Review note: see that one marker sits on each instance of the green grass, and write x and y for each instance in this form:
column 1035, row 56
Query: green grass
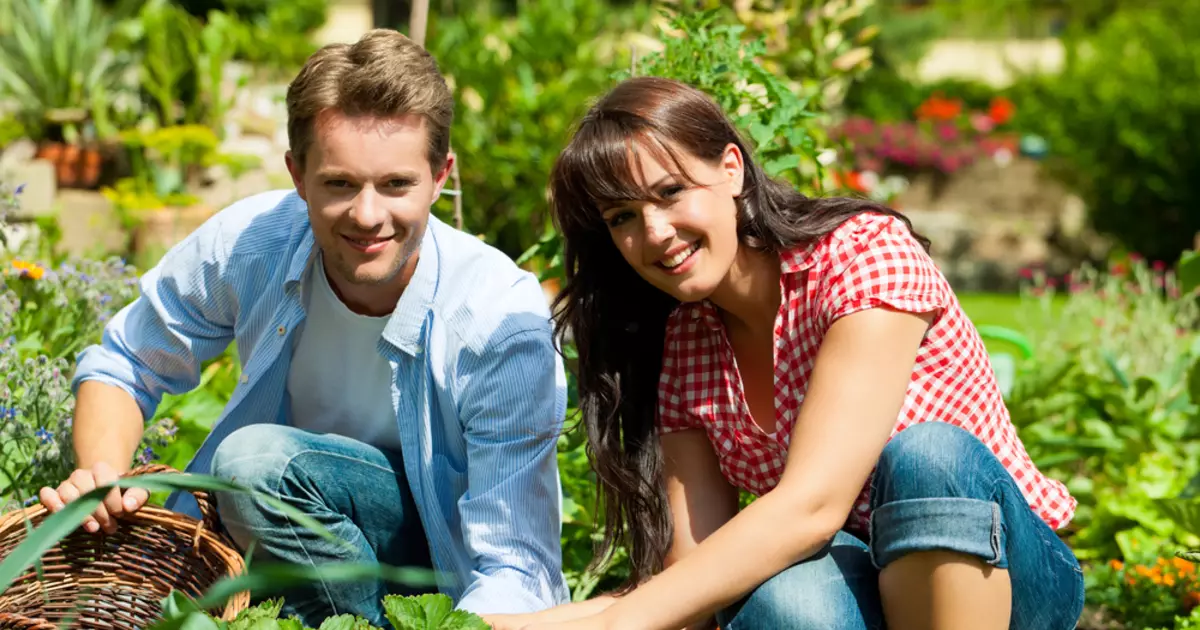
column 997, row 309
column 992, row 309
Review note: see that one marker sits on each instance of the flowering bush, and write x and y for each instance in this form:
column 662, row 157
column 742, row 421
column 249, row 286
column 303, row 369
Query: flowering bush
column 1108, row 403
column 1160, row 593
column 943, row 137
column 48, row 312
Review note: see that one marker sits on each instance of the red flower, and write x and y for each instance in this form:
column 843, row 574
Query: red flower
column 937, row 107
column 1001, row 110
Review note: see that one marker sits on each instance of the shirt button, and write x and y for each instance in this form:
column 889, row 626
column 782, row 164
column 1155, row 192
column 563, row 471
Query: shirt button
column 245, row 378
column 281, row 330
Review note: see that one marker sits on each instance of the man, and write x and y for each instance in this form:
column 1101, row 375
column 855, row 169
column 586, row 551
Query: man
column 400, row 382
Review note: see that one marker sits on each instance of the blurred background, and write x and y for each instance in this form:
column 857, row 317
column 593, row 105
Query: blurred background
column 1049, row 148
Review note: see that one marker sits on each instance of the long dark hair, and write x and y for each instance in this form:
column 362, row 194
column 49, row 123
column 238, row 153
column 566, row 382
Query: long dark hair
column 616, row 318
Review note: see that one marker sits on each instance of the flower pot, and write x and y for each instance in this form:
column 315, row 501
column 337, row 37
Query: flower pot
column 161, row 229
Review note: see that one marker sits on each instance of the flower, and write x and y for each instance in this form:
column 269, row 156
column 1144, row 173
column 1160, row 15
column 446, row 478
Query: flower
column 44, row 436
column 937, row 107
column 27, row 269
column 1001, row 110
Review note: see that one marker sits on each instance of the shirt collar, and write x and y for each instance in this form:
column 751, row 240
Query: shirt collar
column 403, row 329
column 791, row 261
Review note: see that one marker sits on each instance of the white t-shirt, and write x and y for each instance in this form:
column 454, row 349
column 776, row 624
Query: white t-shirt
column 338, row 382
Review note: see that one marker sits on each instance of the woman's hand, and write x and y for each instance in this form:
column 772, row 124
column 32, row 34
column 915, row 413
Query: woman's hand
column 510, row 621
column 591, row 622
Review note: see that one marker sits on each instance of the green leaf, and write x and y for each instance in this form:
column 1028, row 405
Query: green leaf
column 781, row 164
column 1193, row 382
column 1188, row 271
column 273, row 578
column 1184, row 512
column 431, row 611
column 463, row 620
column 346, row 622
column 249, row 617
column 404, row 613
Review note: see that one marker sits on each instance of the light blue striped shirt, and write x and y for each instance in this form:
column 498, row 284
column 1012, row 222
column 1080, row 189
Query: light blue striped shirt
column 479, row 389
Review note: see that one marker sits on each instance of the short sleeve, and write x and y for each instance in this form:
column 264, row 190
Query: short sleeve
column 874, row 260
column 672, row 415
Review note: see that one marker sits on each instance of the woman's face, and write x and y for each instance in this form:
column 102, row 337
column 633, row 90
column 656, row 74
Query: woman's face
column 686, row 244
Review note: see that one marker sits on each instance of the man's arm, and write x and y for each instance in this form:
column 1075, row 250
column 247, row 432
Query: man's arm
column 512, row 397
column 154, row 345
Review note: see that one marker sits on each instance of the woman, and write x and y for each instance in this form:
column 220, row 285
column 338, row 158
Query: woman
column 734, row 334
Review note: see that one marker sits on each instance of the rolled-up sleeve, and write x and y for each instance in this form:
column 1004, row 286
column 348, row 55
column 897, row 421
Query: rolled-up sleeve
column 512, row 405
column 183, row 316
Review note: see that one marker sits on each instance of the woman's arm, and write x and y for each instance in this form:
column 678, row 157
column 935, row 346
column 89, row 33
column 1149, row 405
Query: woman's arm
column 856, row 391
column 701, row 500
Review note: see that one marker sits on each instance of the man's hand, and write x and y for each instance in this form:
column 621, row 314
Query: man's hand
column 85, row 480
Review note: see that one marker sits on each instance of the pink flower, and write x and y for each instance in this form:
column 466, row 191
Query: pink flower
column 982, row 123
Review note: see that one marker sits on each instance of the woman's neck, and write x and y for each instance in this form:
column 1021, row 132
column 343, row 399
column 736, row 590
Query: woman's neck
column 750, row 295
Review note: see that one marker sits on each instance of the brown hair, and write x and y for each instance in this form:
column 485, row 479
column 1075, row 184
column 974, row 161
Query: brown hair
column 616, row 318
column 383, row 74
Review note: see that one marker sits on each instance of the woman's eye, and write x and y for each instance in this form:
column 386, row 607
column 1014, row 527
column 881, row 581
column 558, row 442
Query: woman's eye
column 618, row 218
column 671, row 191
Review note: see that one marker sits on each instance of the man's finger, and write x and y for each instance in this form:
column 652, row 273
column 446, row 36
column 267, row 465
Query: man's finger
column 68, row 493
column 85, row 482
column 50, row 499
column 135, row 498
column 105, row 475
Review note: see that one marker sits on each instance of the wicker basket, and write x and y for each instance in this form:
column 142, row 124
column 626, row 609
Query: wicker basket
column 118, row 581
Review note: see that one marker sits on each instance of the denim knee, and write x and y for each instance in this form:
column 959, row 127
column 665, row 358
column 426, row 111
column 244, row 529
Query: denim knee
column 938, row 487
column 254, row 454
column 836, row 589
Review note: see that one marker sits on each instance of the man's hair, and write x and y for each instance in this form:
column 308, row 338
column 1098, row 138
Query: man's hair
column 384, row 74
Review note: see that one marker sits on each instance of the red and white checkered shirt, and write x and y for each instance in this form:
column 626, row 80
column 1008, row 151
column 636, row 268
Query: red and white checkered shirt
column 868, row 261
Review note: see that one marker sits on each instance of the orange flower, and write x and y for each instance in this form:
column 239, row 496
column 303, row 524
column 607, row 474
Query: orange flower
column 1184, row 567
column 1116, row 565
column 28, row 269
column 936, row 107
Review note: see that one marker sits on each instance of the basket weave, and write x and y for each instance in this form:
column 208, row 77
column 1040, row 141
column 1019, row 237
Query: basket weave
column 118, row 581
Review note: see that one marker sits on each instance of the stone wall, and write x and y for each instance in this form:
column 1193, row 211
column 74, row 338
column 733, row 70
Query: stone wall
column 987, row 222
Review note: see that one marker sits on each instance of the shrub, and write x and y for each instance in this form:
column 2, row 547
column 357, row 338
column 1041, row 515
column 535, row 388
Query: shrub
column 1108, row 404
column 1123, row 124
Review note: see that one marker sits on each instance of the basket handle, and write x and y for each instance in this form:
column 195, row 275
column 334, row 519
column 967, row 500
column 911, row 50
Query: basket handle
column 208, row 508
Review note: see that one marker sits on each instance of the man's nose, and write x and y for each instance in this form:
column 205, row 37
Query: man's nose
column 368, row 209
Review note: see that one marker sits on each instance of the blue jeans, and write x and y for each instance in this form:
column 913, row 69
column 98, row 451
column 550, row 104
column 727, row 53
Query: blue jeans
column 936, row 487
column 356, row 491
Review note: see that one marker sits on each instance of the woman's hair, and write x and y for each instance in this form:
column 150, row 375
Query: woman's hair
column 616, row 318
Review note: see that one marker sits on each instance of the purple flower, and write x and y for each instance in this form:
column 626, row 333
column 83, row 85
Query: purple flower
column 19, row 189
column 146, row 456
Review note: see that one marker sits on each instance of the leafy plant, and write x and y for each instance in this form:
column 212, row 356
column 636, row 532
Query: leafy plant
column 1122, row 127
column 520, row 81
column 429, row 612
column 410, row 612
column 1108, row 403
column 57, row 66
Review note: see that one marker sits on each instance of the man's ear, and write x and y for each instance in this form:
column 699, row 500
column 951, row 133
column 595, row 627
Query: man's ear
column 734, row 166
column 297, row 173
column 440, row 177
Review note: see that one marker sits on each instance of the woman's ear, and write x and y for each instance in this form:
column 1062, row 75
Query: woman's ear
column 734, row 167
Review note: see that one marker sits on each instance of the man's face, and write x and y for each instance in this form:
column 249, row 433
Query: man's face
column 369, row 186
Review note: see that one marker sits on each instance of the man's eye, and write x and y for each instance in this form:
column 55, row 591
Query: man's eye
column 337, row 183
